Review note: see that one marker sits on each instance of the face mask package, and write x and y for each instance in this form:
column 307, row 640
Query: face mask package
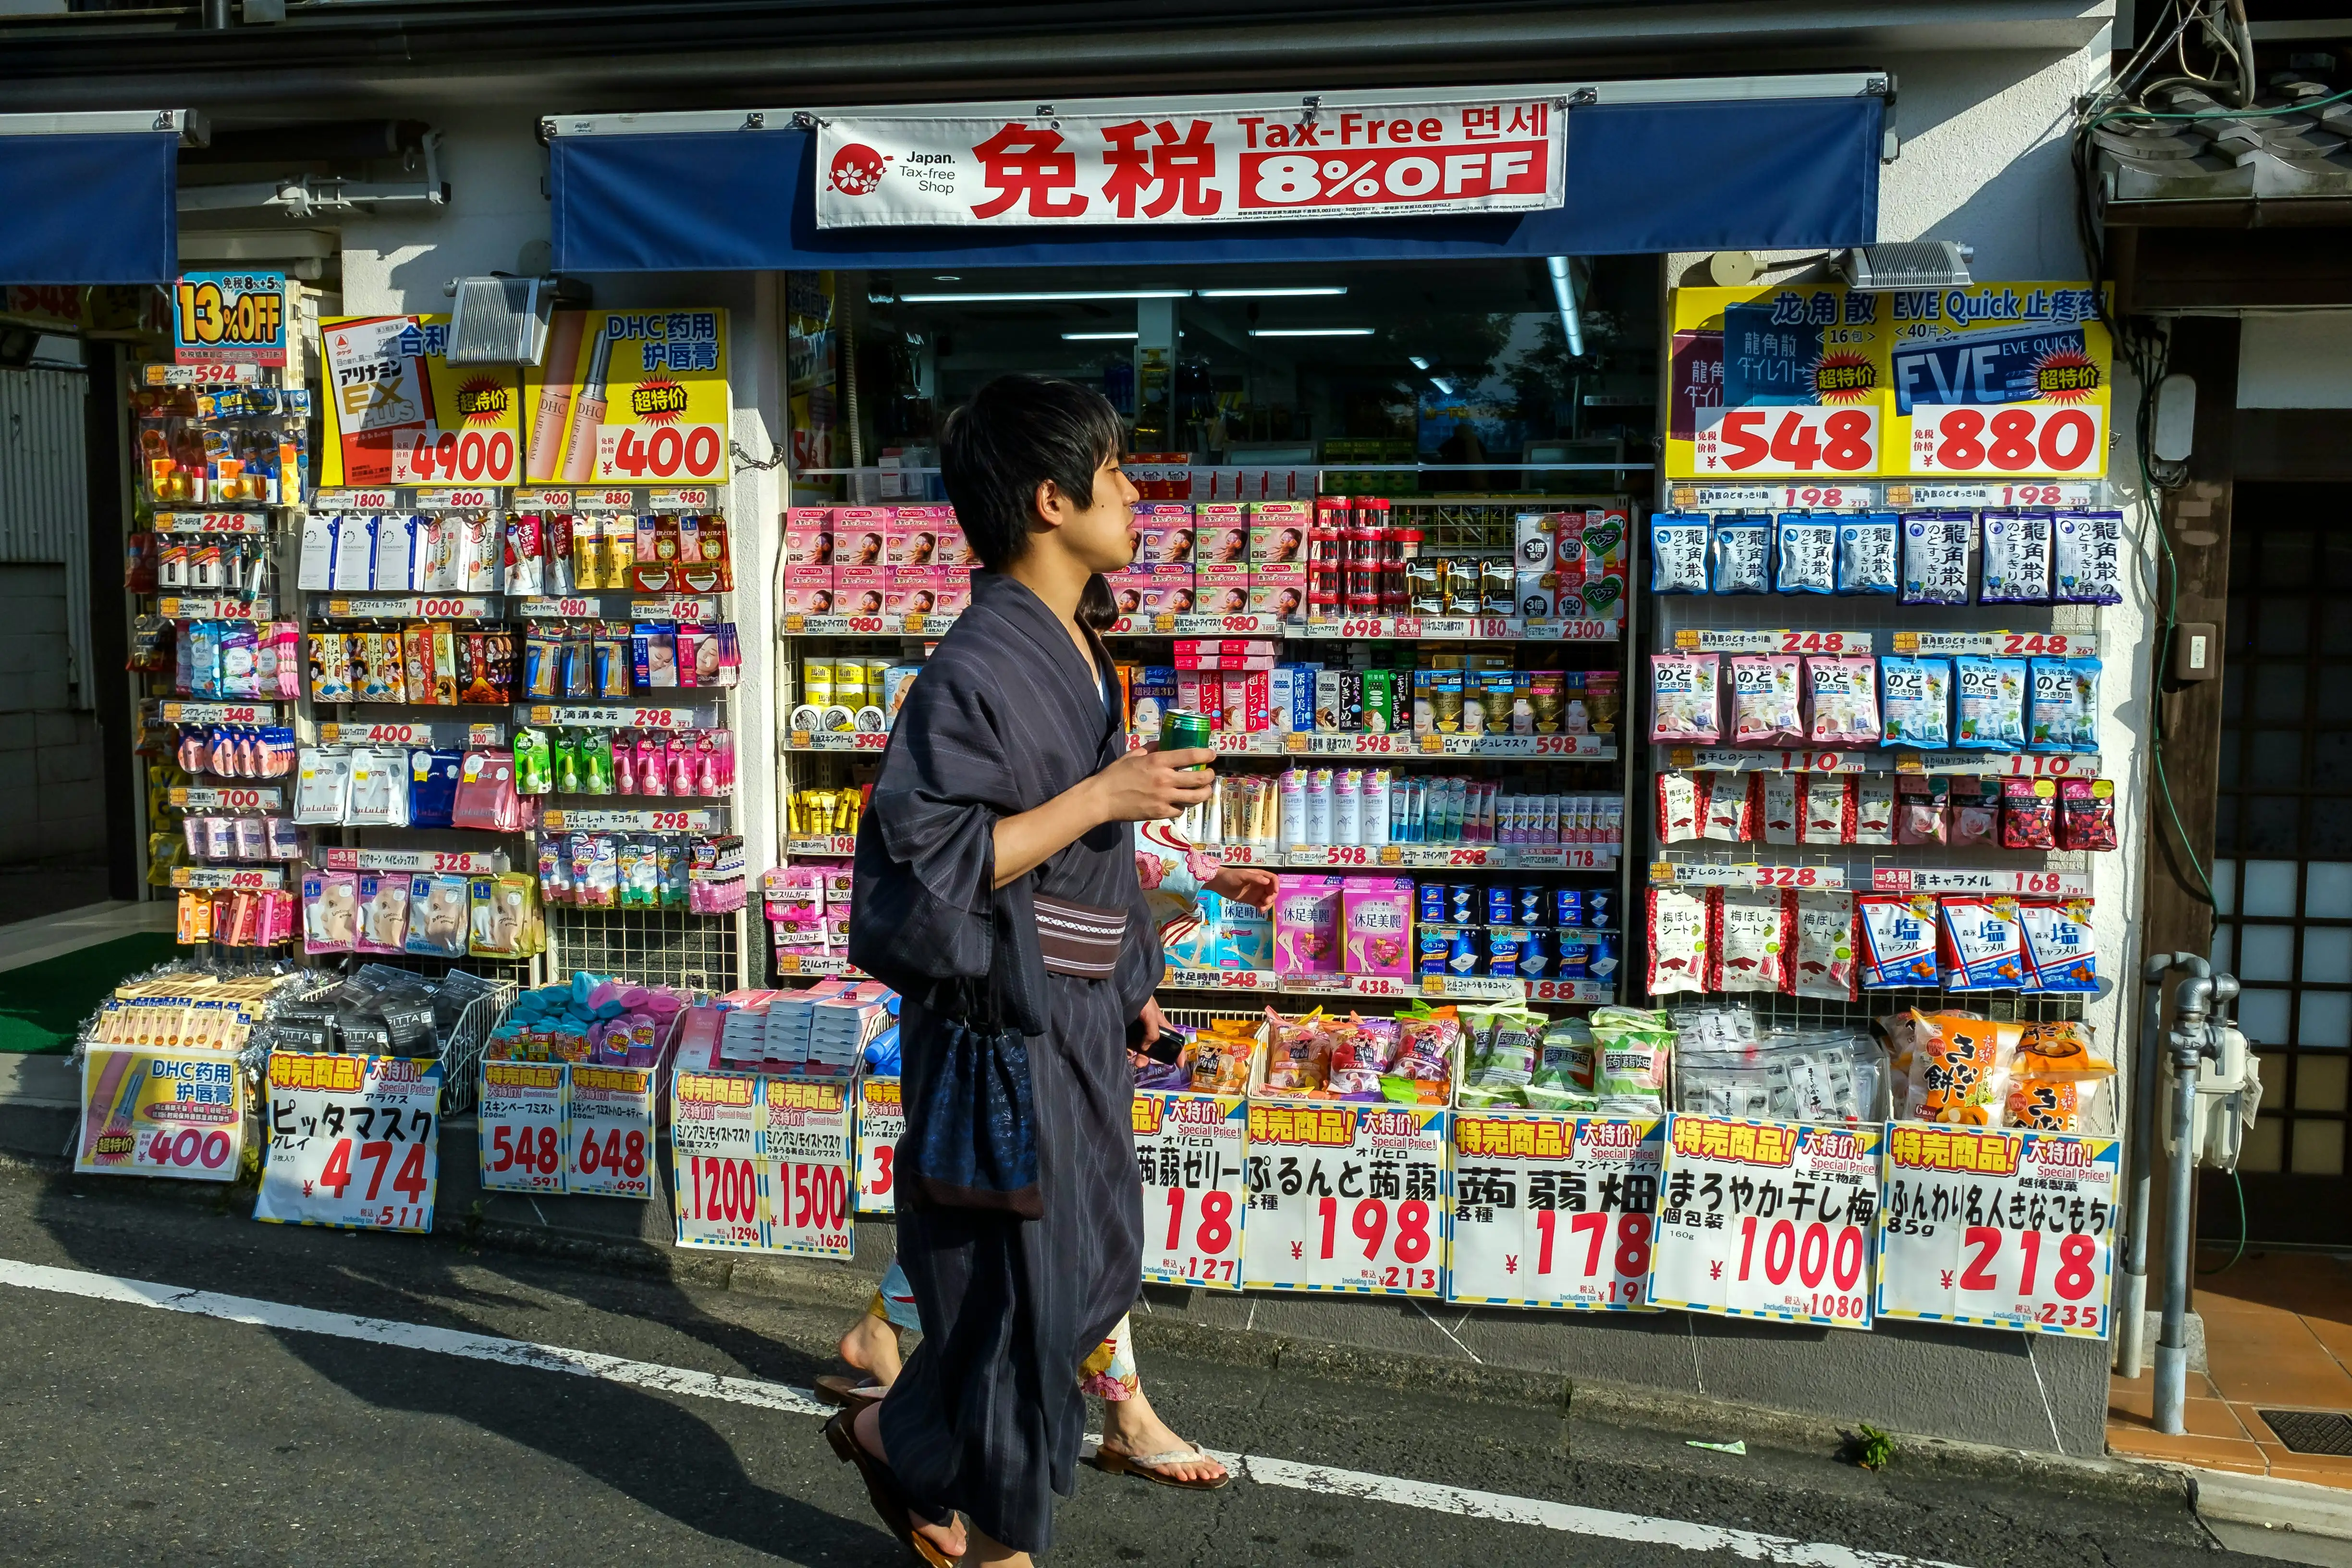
column 440, row 916
column 1844, row 699
column 1828, row 816
column 329, row 911
column 2061, row 952
column 1916, row 695
column 1766, row 701
column 1775, row 801
column 1678, row 553
column 1807, row 553
column 1984, row 945
column 1753, row 938
column 323, row 786
column 1988, row 697
column 1685, row 706
column 1825, row 947
column 379, row 789
column 2016, row 559
column 2086, row 557
column 1898, row 936
column 1742, row 555
column 1680, row 925
column 1936, row 557
column 1867, row 551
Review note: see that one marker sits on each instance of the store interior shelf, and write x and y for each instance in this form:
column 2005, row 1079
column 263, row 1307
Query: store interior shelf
column 1421, row 856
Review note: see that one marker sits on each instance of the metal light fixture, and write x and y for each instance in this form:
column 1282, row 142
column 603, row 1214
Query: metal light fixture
column 1563, row 294
column 1311, row 332
column 1320, row 291
column 1038, row 296
column 1906, row 264
column 500, row 320
column 1098, row 337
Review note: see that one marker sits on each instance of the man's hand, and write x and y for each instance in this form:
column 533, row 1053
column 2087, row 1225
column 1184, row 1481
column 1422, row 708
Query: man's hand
column 1147, row 786
column 1247, row 884
column 1153, row 1020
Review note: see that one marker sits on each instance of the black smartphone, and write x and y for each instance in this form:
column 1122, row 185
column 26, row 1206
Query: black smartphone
column 1167, row 1049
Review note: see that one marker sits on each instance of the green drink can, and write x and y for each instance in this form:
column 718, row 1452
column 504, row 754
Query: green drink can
column 1179, row 730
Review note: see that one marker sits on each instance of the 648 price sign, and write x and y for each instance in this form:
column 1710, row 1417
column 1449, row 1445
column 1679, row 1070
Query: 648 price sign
column 1189, row 1152
column 1346, row 1198
column 1553, row 1211
column 353, row 1141
column 1767, row 1219
column 609, row 1123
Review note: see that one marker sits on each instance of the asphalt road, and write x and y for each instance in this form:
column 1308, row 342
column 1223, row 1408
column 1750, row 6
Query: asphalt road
column 131, row 1435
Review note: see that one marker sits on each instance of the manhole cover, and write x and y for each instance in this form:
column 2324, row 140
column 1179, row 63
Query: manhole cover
column 2311, row 1431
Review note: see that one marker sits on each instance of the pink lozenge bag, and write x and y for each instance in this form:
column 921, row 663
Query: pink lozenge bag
column 1377, row 915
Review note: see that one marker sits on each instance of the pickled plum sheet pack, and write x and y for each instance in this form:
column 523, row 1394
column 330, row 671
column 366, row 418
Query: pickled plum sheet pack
column 1680, row 928
column 1873, row 808
column 1828, row 814
column 1776, row 800
column 1682, row 803
column 1753, row 940
column 1724, row 816
column 1826, row 947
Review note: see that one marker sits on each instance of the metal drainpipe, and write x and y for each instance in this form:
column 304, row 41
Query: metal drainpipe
column 2192, row 999
column 2147, row 1071
column 217, row 15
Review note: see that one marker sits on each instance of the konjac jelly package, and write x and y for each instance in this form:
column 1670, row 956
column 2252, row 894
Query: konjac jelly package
column 1984, row 945
column 1685, row 699
column 1988, row 702
column 2086, row 814
column 1868, row 548
column 1306, row 923
column 1376, row 914
column 1916, row 701
column 2016, row 559
column 1844, row 695
column 1678, row 553
column 1742, row 555
column 1807, row 553
column 1767, row 700
column 1898, row 934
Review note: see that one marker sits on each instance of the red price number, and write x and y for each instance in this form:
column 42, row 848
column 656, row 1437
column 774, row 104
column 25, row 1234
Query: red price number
column 817, row 1198
column 526, row 1147
column 1788, row 875
column 1819, row 495
column 442, row 608
column 727, row 1191
column 2021, row 1263
column 452, row 860
column 672, row 821
column 663, row 451
column 614, row 1154
column 1794, row 441
column 1230, row 741
column 866, row 624
column 885, row 1156
column 1812, row 642
column 2033, row 495
column 1812, row 1254
column 1403, row 1240
column 1966, row 440
column 1465, row 858
column 1346, row 855
column 376, row 1154
column 1211, row 1231
column 188, row 1147
column 464, row 457
column 1589, row 1244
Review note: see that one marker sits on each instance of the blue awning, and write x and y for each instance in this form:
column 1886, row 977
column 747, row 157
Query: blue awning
column 1730, row 174
column 89, row 208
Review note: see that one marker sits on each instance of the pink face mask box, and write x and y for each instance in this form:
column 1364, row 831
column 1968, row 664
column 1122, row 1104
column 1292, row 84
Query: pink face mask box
column 1307, row 915
column 1221, row 596
column 808, row 591
column 1377, row 913
column 913, row 539
column 808, row 536
column 860, row 590
column 910, row 591
column 861, row 535
column 1221, row 537
column 954, row 590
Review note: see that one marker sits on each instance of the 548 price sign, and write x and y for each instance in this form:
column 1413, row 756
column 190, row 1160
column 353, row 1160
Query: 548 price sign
column 1787, row 440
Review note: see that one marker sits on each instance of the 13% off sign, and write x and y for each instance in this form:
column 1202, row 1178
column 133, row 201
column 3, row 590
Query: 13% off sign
column 353, row 1141
column 1552, row 1211
column 1766, row 1219
column 1346, row 1198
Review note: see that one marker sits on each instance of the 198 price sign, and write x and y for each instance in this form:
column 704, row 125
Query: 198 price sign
column 1349, row 1198
column 1553, row 1211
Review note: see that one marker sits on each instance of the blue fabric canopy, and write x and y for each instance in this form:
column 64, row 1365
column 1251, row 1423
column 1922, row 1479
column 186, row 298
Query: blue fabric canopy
column 90, row 208
column 1746, row 174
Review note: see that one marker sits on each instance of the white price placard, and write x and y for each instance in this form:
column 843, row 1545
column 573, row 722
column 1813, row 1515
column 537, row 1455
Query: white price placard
column 1552, row 1211
column 1346, row 1198
column 881, row 1122
column 809, row 1144
column 460, row 862
column 1722, row 759
column 1767, row 1219
column 218, row 713
column 1788, row 639
column 608, row 1137
column 1189, row 1149
column 227, row 797
column 1997, row 1229
column 211, row 522
column 2000, row 645
column 720, row 1185
column 1972, row 880
column 519, row 1127
column 1811, row 440
column 353, row 1141
column 2008, row 493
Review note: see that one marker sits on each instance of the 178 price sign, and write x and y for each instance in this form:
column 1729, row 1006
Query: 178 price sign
column 1767, row 1219
column 1189, row 1152
column 1349, row 1198
column 1553, row 1211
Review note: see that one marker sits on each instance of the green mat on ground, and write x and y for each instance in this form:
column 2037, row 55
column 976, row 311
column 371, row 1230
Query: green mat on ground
column 43, row 1003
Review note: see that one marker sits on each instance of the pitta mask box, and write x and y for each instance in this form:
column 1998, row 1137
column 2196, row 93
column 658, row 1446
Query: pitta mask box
column 859, row 590
column 861, row 535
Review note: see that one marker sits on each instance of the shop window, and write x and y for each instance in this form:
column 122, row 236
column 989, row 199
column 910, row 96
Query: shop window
column 2328, row 892
column 2328, row 955
column 2280, row 625
column 2278, row 692
column 2266, row 1139
column 2319, row 1082
column 2224, row 956
column 2324, row 1021
column 2276, row 758
column 2285, row 560
column 2272, row 825
column 2261, row 1013
column 2318, row 1147
column 2334, row 706
column 2265, row 952
column 2225, row 886
column 2269, row 889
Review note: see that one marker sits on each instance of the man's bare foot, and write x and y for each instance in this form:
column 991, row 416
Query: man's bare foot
column 1131, row 1428
column 949, row 1537
column 871, row 1345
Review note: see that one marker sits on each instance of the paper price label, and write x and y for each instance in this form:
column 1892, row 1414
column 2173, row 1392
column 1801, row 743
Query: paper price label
column 214, row 609
column 605, row 500
column 651, row 452
column 520, row 1137
column 218, row 713
column 1568, row 631
column 1998, row 1230
column 684, row 609
column 1230, row 626
column 1552, row 1211
column 1598, row 992
column 1970, row 880
column 1188, row 1149
column 542, row 500
column 1804, row 440
column 609, row 1131
column 473, row 608
column 353, row 1141
column 1786, row 640
column 1219, row 979
column 722, row 1186
column 570, row 821
column 881, row 1122
column 2003, row 764
column 243, row 522
column 1767, row 1219
column 1999, row 644
column 354, row 500
column 692, row 497
column 830, row 846
column 461, row 500
column 573, row 609
column 198, row 798
column 2011, row 494
column 225, row 878
column 809, row 1137
column 1725, row 761
column 1346, row 1198
column 1473, row 987
column 160, row 1113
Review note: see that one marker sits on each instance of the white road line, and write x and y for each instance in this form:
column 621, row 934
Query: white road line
column 1458, row 1501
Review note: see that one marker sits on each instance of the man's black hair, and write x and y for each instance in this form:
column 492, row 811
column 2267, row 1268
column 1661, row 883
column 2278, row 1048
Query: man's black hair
column 1015, row 434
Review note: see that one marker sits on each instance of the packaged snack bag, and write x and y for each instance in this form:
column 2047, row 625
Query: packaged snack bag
column 1751, row 953
column 1921, row 809
column 2029, row 813
column 1935, row 547
column 1726, row 814
column 2064, row 1049
column 1680, row 929
column 1426, row 1051
column 1221, row 1059
column 1635, row 1052
column 2086, row 814
column 2016, row 559
column 329, row 911
column 1961, row 1071
column 2086, row 557
column 1298, row 1053
column 1503, row 1043
column 1776, row 801
column 1898, row 935
column 1873, row 808
column 1844, row 693
column 2049, row 705
column 1306, row 917
column 1828, row 816
column 1682, row 801
column 1567, row 1068
column 2060, row 952
column 1825, row 947
column 1990, row 701
column 1975, row 816
column 1686, row 705
column 1767, row 700
column 1916, row 697
column 1742, row 555
column 1983, row 945
column 2049, row 1105
column 1678, row 553
column 1807, row 553
column 1867, row 548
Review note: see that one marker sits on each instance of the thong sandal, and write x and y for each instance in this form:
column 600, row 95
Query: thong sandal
column 882, row 1491
column 836, row 1389
column 1154, row 1466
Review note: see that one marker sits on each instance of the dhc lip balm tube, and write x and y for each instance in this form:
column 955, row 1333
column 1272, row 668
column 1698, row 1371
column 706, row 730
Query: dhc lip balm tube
column 580, row 457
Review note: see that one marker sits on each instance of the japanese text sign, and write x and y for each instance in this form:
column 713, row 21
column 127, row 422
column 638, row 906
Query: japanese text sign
column 629, row 397
column 352, row 1141
column 1188, row 166
column 1776, row 380
column 398, row 413
column 1552, row 1211
column 1998, row 380
column 608, row 1131
column 1189, row 1152
column 229, row 318
column 160, row 1113
column 1346, row 1198
column 761, row 1162
column 521, row 1124
column 1998, row 1230
column 1766, row 1219
column 881, row 1122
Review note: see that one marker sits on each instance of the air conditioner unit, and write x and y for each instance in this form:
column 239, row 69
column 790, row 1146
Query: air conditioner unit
column 500, row 320
column 1907, row 264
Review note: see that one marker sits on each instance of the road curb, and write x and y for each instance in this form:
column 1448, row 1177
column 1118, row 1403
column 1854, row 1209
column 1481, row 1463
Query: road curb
column 2302, row 1507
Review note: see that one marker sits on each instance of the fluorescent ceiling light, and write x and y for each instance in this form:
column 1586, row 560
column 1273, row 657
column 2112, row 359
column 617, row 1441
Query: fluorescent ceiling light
column 1044, row 295
column 1318, row 291
column 1441, row 385
column 1416, row 362
column 1097, row 337
column 1311, row 332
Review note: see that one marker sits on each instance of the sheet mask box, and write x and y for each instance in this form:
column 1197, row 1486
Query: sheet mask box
column 1221, row 537
column 317, row 570
column 808, row 536
column 354, row 560
column 1202, row 694
column 859, row 590
column 1290, row 698
column 808, row 591
column 1247, row 695
column 395, row 540
column 954, row 590
column 1151, row 692
column 910, row 591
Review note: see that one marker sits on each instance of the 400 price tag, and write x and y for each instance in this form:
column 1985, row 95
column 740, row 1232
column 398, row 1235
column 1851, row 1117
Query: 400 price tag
column 1553, row 1211
column 1188, row 1149
column 160, row 1113
column 1767, row 1219
column 1346, row 1198
column 353, row 1141
column 1998, row 1230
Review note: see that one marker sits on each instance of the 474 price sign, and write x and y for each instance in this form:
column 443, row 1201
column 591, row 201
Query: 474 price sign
column 1998, row 1230
column 1189, row 1152
column 353, row 1141
column 1350, row 1198
column 1553, row 1211
column 1767, row 1219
